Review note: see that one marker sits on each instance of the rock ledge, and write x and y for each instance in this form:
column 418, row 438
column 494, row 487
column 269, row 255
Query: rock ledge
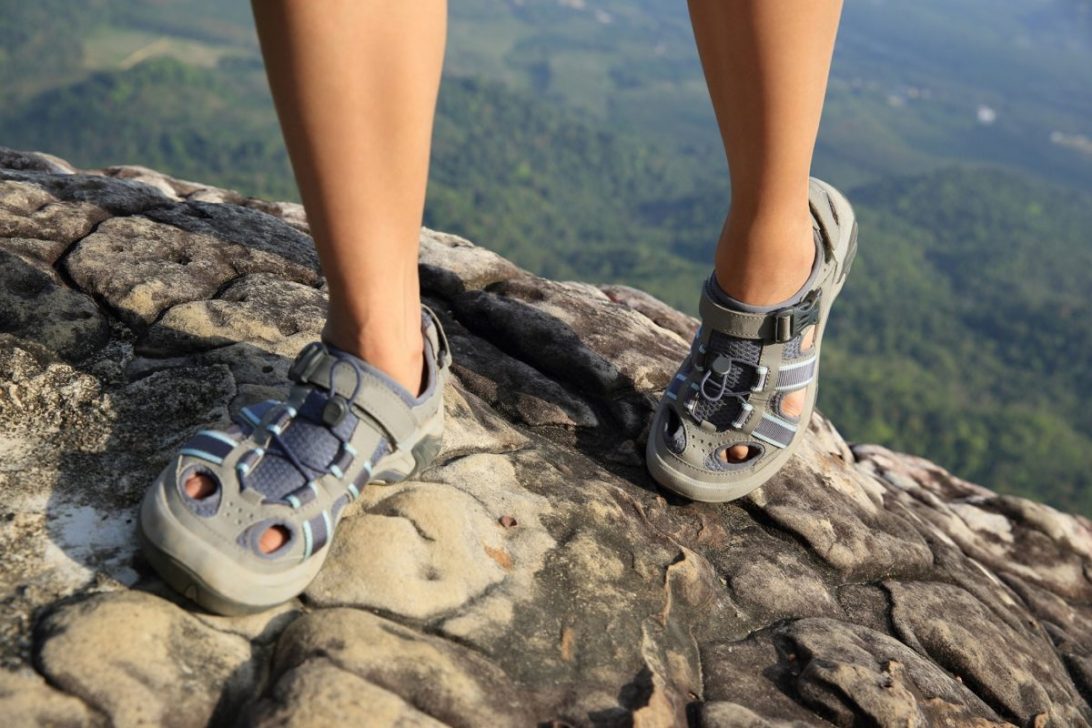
column 534, row 575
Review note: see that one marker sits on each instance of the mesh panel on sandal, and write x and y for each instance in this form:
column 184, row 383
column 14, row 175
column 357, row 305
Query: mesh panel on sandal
column 721, row 413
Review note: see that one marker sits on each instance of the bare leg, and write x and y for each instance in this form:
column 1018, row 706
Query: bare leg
column 766, row 64
column 355, row 85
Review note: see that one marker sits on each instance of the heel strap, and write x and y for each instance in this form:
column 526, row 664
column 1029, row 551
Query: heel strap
column 440, row 345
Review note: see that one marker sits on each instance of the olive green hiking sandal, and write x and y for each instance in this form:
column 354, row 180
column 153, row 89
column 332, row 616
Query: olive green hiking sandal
column 291, row 465
column 741, row 364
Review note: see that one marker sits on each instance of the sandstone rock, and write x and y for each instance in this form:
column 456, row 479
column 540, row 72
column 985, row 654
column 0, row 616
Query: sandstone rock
column 26, row 700
column 141, row 268
column 35, row 304
column 323, row 693
column 534, row 575
column 143, row 661
column 722, row 714
column 114, row 196
column 29, row 211
column 1016, row 671
column 656, row 310
column 79, row 448
column 754, row 676
column 421, row 552
column 34, row 249
column 471, row 427
column 571, row 337
column 13, row 159
column 168, row 187
column 260, row 309
column 451, row 265
column 514, row 388
column 177, row 189
column 243, row 226
column 852, row 674
column 442, row 679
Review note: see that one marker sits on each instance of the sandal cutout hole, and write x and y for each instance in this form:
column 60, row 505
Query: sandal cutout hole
column 674, row 433
column 807, row 339
column 796, row 398
column 199, row 488
column 270, row 538
column 200, row 485
column 740, row 453
column 790, row 405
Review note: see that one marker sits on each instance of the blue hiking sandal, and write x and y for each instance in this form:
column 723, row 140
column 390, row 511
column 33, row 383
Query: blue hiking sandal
column 295, row 465
column 728, row 390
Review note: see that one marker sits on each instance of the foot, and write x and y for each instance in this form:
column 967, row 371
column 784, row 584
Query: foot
column 401, row 367
column 263, row 497
column 397, row 351
column 726, row 423
column 774, row 264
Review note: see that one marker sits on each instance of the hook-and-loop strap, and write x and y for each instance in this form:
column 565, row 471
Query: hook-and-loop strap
column 775, row 327
column 369, row 394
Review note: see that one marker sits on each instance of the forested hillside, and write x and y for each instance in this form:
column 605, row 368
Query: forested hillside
column 964, row 335
column 579, row 143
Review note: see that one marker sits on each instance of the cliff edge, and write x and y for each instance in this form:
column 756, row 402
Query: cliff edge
column 534, row 575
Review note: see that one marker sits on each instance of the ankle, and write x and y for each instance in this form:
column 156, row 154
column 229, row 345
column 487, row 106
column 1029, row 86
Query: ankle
column 766, row 262
column 398, row 352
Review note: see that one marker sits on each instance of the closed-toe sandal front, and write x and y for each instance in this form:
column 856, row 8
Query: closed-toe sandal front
column 293, row 466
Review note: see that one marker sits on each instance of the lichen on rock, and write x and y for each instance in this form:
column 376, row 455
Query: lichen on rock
column 534, row 574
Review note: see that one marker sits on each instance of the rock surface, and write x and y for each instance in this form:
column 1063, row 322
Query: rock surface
column 534, row 575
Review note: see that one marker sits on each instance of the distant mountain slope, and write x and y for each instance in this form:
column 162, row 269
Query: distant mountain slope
column 193, row 121
column 558, row 191
column 915, row 87
column 965, row 332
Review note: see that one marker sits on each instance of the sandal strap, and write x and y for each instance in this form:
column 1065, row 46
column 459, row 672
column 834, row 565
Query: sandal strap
column 368, row 392
column 441, row 347
column 775, row 327
column 796, row 374
column 824, row 216
column 774, row 430
column 772, row 374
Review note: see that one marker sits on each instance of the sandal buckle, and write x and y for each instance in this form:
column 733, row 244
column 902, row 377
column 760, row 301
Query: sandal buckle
column 794, row 319
column 306, row 362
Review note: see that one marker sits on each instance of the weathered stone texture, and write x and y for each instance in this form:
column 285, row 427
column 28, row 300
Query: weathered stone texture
column 534, row 575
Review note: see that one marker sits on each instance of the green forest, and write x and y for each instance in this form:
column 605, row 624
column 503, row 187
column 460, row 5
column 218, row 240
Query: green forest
column 963, row 333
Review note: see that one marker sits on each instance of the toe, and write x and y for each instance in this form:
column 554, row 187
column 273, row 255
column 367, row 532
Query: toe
column 738, row 453
column 273, row 538
column 199, row 486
